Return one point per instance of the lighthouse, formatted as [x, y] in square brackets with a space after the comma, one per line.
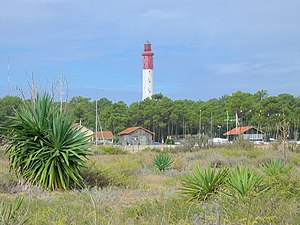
[147, 71]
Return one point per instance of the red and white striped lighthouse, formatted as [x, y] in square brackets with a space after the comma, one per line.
[147, 71]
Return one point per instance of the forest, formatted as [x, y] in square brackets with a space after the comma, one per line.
[165, 116]
[51, 174]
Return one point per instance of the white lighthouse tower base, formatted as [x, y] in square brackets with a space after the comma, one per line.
[147, 83]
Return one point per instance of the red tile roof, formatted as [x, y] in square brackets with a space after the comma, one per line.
[132, 129]
[104, 134]
[239, 130]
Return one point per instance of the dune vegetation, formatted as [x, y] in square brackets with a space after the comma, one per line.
[228, 185]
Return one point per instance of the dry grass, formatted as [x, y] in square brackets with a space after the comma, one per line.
[135, 193]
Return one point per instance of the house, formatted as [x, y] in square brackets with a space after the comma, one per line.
[104, 137]
[247, 132]
[136, 136]
[87, 131]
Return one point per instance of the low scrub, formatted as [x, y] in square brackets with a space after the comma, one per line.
[162, 161]
[109, 150]
[276, 167]
[243, 181]
[118, 172]
[202, 183]
[241, 143]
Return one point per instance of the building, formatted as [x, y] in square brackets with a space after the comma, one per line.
[147, 71]
[104, 137]
[87, 131]
[247, 132]
[136, 136]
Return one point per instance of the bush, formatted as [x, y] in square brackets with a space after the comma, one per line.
[276, 167]
[43, 146]
[243, 181]
[162, 161]
[110, 150]
[202, 183]
[241, 143]
[119, 172]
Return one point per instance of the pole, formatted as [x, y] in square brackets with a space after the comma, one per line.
[211, 125]
[200, 123]
[96, 141]
[8, 76]
[227, 129]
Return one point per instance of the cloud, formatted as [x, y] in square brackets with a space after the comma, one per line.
[195, 42]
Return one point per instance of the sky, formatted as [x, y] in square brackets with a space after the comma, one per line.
[203, 49]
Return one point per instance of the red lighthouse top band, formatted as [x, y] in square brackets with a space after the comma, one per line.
[147, 56]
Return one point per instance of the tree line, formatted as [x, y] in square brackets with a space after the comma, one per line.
[165, 116]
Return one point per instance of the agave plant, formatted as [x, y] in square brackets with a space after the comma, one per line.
[276, 167]
[202, 183]
[43, 146]
[243, 181]
[162, 161]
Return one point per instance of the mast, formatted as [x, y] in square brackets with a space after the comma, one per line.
[8, 76]
[96, 141]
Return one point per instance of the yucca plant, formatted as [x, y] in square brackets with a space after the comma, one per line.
[43, 146]
[202, 183]
[162, 161]
[276, 167]
[243, 181]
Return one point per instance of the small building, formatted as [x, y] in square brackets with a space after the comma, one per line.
[87, 131]
[104, 137]
[136, 136]
[247, 132]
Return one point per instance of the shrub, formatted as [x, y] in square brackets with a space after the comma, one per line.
[110, 150]
[202, 183]
[117, 172]
[241, 143]
[148, 149]
[162, 161]
[43, 146]
[243, 181]
[276, 167]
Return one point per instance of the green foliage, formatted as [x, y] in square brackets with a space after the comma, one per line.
[167, 117]
[149, 149]
[43, 147]
[110, 150]
[8, 106]
[241, 143]
[169, 141]
[243, 181]
[162, 161]
[11, 212]
[202, 183]
[276, 167]
[127, 192]
[118, 172]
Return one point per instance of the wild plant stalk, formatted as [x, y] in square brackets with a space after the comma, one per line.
[10, 212]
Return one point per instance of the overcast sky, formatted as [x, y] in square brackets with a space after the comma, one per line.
[203, 49]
